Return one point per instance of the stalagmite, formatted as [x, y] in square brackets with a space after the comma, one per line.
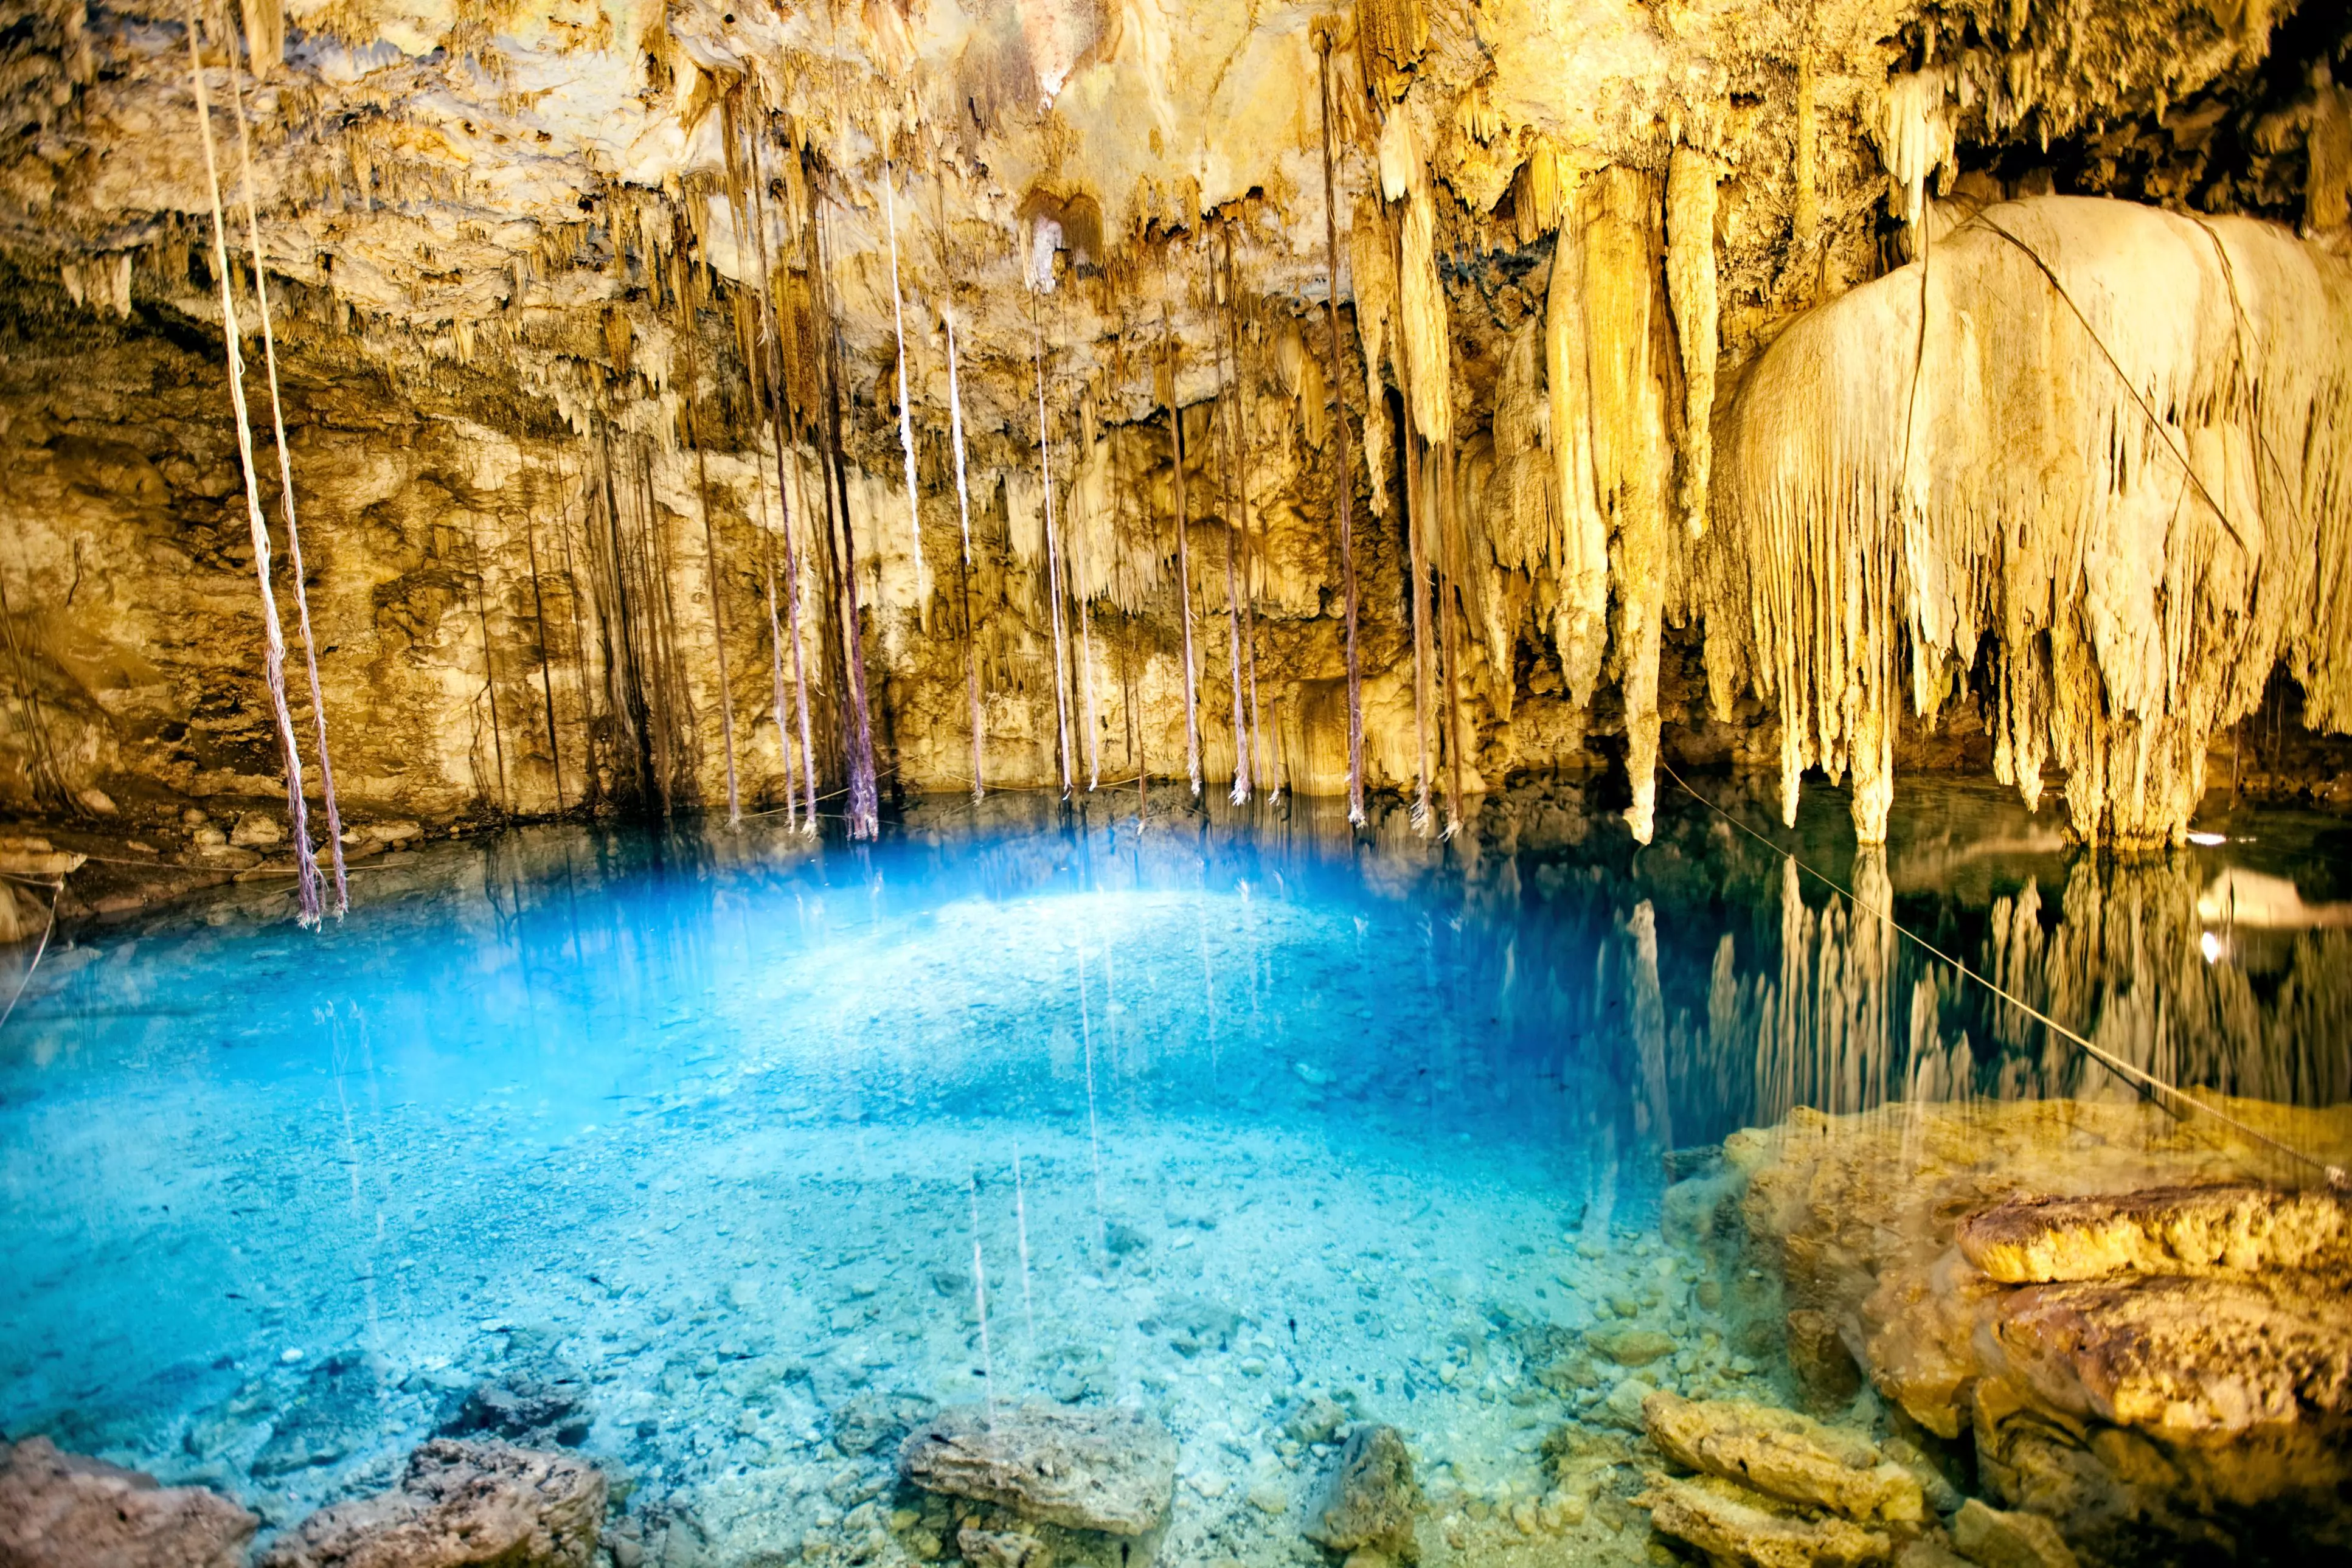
[306, 872]
[963, 576]
[267, 42]
[1690, 284]
[1183, 559]
[2128, 461]
[1343, 482]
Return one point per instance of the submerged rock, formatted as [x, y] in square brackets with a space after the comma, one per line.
[1739, 1527]
[546, 1403]
[1632, 1347]
[1790, 1456]
[1370, 1499]
[1824, 1368]
[1001, 1548]
[339, 1408]
[1103, 1469]
[1991, 1539]
[65, 1510]
[460, 1505]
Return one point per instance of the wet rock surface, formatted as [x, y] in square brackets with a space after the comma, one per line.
[1001, 1548]
[2221, 1229]
[1740, 1526]
[533, 1406]
[2143, 1349]
[1794, 1459]
[458, 1505]
[65, 1510]
[1092, 1468]
[1369, 1501]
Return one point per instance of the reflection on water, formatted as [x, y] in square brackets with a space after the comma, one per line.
[1242, 1112]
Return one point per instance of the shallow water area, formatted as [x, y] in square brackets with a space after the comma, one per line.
[737, 1153]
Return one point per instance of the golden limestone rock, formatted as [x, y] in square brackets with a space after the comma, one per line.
[1737, 1525]
[2233, 1229]
[1792, 1457]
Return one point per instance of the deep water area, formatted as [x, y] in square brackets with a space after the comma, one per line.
[724, 1155]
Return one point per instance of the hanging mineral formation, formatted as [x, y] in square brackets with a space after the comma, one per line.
[963, 579]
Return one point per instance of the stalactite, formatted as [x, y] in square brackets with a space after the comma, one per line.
[1632, 446]
[306, 870]
[1184, 558]
[1085, 657]
[963, 576]
[2127, 459]
[1581, 571]
[1690, 285]
[1343, 480]
[1053, 561]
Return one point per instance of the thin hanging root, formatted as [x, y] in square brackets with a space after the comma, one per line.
[285, 493]
[1416, 525]
[490, 686]
[306, 870]
[1085, 661]
[546, 682]
[1053, 561]
[1183, 564]
[775, 646]
[1228, 465]
[718, 623]
[963, 576]
[865, 804]
[778, 414]
[1270, 779]
[905, 416]
[1343, 480]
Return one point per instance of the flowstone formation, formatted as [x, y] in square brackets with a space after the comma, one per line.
[702, 406]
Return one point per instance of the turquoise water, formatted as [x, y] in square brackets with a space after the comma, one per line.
[689, 1141]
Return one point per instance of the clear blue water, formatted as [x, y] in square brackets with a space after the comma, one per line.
[1240, 1110]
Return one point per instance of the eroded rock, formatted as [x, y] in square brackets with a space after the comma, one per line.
[2230, 1230]
[1790, 1456]
[1370, 1499]
[1825, 1370]
[66, 1510]
[1001, 1548]
[1992, 1539]
[1743, 1528]
[460, 1505]
[1094, 1468]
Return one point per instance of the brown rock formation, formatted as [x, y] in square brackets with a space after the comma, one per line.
[1102, 1469]
[460, 1505]
[63, 1510]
